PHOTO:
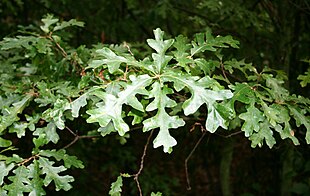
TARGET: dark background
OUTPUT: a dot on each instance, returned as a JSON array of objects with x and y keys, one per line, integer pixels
[{"x": 271, "y": 33}]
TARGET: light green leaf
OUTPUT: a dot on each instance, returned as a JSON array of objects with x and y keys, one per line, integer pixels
[
  {"x": 112, "y": 60},
  {"x": 61, "y": 155},
  {"x": 52, "y": 174},
  {"x": 4, "y": 170},
  {"x": 156, "y": 194},
  {"x": 162, "y": 120},
  {"x": 111, "y": 108},
  {"x": 160, "y": 46},
  {"x": 201, "y": 95},
  {"x": 77, "y": 104},
  {"x": 252, "y": 118},
  {"x": 116, "y": 187},
  {"x": 206, "y": 41},
  {"x": 48, "y": 21}
]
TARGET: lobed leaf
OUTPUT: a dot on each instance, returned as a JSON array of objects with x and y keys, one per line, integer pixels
[{"x": 162, "y": 120}]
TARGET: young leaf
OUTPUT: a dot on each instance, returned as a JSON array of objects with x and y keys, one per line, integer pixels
[
  {"x": 4, "y": 170},
  {"x": 111, "y": 108},
  {"x": 160, "y": 46},
  {"x": 162, "y": 120},
  {"x": 65, "y": 24},
  {"x": 116, "y": 187},
  {"x": 48, "y": 21},
  {"x": 52, "y": 174}
]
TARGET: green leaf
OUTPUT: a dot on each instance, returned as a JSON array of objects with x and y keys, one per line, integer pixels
[
  {"x": 48, "y": 21},
  {"x": 65, "y": 24},
  {"x": 18, "y": 42},
  {"x": 4, "y": 170},
  {"x": 20, "y": 181},
  {"x": 61, "y": 155},
  {"x": 243, "y": 92},
  {"x": 252, "y": 117},
  {"x": 56, "y": 114},
  {"x": 77, "y": 104},
  {"x": 111, "y": 108},
  {"x": 206, "y": 41},
  {"x": 52, "y": 174},
  {"x": 49, "y": 133},
  {"x": 5, "y": 143},
  {"x": 36, "y": 183},
  {"x": 201, "y": 95},
  {"x": 162, "y": 120},
  {"x": 264, "y": 133},
  {"x": 160, "y": 46},
  {"x": 278, "y": 92},
  {"x": 19, "y": 128},
  {"x": 305, "y": 79},
  {"x": 116, "y": 187},
  {"x": 17, "y": 108},
  {"x": 156, "y": 194},
  {"x": 300, "y": 118},
  {"x": 181, "y": 54}
]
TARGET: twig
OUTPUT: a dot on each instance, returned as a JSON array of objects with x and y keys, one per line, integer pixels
[
  {"x": 136, "y": 175},
  {"x": 63, "y": 52},
  {"x": 228, "y": 136},
  {"x": 27, "y": 160},
  {"x": 188, "y": 186},
  {"x": 77, "y": 137}
]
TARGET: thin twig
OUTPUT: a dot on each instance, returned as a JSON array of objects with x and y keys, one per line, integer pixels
[
  {"x": 77, "y": 137},
  {"x": 228, "y": 136},
  {"x": 63, "y": 52},
  {"x": 188, "y": 186},
  {"x": 136, "y": 175}
]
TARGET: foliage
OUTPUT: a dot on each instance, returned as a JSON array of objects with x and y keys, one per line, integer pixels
[{"x": 47, "y": 85}]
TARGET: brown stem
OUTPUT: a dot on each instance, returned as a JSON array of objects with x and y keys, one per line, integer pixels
[{"x": 63, "y": 52}]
